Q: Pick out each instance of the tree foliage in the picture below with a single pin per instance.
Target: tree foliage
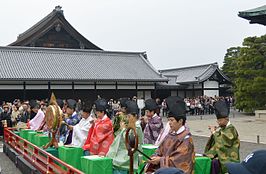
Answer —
(246, 66)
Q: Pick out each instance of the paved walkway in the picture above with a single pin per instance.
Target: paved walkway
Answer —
(247, 126)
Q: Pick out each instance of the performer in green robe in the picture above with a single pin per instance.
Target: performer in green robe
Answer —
(120, 116)
(224, 142)
(118, 151)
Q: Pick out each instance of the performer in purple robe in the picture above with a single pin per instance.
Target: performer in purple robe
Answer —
(155, 125)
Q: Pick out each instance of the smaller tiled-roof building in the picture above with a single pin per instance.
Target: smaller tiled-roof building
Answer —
(192, 81)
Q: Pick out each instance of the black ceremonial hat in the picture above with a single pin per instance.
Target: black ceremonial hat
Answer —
(176, 107)
(71, 103)
(34, 104)
(123, 101)
(150, 105)
(132, 107)
(60, 103)
(100, 104)
(87, 106)
(221, 109)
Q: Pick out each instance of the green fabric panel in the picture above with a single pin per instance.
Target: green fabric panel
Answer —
(40, 140)
(24, 133)
(31, 136)
(149, 150)
(96, 165)
(16, 132)
(52, 151)
(71, 155)
(202, 165)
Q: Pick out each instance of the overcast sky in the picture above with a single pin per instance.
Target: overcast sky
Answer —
(174, 33)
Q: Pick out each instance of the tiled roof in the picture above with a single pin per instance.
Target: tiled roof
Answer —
(48, 22)
(253, 12)
(30, 63)
(255, 16)
(192, 74)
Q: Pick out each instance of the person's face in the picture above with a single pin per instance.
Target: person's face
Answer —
(174, 125)
(85, 114)
(69, 111)
(35, 110)
(25, 107)
(149, 113)
(5, 109)
(222, 122)
(100, 114)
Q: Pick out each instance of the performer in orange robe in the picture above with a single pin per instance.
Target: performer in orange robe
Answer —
(100, 135)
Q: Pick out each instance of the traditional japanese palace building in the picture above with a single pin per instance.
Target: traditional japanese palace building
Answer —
(255, 16)
(195, 81)
(52, 56)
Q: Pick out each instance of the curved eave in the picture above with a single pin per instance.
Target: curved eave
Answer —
(83, 80)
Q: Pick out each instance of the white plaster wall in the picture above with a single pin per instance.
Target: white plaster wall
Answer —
(211, 93)
(211, 84)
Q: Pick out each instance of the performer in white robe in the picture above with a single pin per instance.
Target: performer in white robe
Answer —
(36, 122)
(80, 130)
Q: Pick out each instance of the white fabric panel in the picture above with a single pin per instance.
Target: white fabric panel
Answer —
(105, 86)
(37, 86)
(61, 86)
(84, 87)
(126, 86)
(146, 87)
(11, 87)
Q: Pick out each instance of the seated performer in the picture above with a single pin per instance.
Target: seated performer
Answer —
(36, 122)
(80, 130)
(71, 118)
(118, 151)
(100, 135)
(154, 124)
(177, 149)
(224, 142)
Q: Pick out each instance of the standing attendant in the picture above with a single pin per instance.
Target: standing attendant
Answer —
(154, 125)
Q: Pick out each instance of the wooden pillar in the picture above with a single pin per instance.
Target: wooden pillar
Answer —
(155, 91)
(95, 90)
(49, 89)
(193, 90)
(116, 91)
(202, 88)
(136, 89)
(24, 90)
(73, 90)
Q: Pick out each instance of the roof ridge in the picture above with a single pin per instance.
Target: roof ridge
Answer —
(63, 50)
(195, 66)
(50, 15)
(206, 71)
